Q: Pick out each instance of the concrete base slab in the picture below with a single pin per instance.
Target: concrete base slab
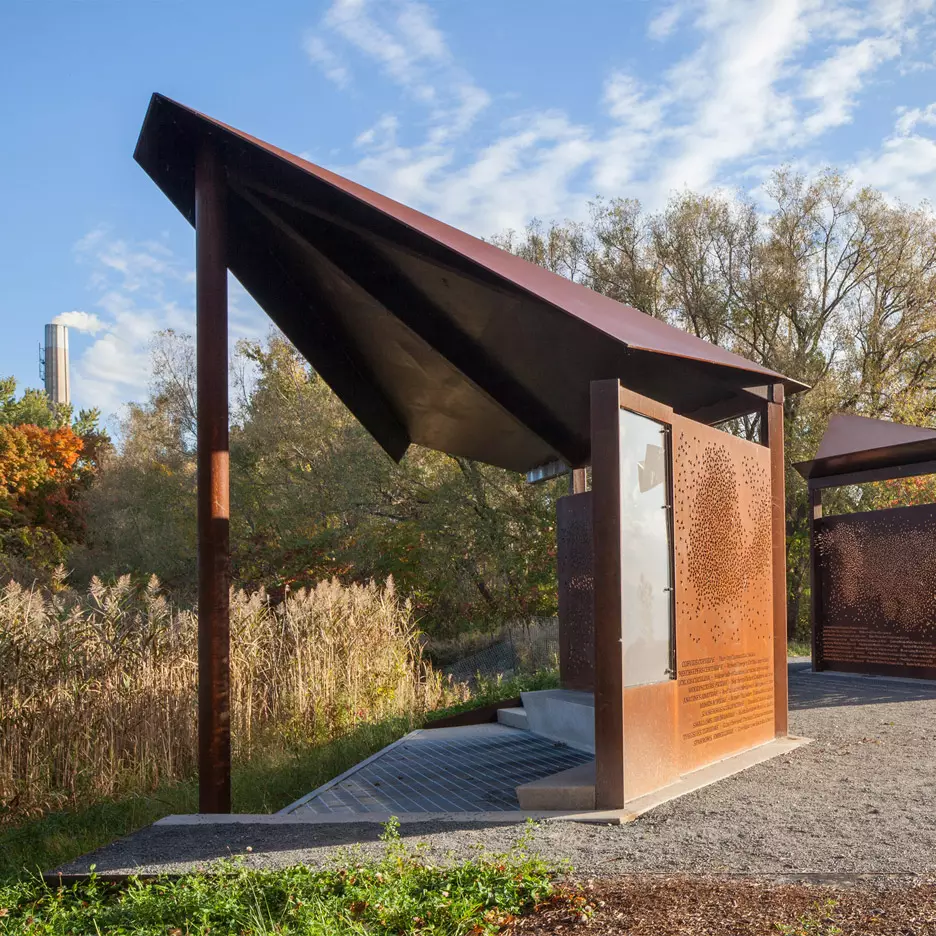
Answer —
(562, 715)
(689, 783)
(497, 817)
(874, 677)
(513, 718)
(569, 789)
(712, 773)
(575, 788)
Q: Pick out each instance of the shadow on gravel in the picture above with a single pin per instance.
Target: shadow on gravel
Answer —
(170, 849)
(809, 690)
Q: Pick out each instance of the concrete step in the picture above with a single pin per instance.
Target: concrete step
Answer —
(572, 789)
(513, 717)
(562, 715)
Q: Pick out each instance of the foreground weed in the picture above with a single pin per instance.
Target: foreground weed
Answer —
(399, 893)
(818, 923)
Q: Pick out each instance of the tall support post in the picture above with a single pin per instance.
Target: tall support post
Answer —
(815, 584)
(214, 719)
(609, 645)
(773, 425)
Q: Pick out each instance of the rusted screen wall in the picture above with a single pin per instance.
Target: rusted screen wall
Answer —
(877, 588)
(575, 562)
(724, 593)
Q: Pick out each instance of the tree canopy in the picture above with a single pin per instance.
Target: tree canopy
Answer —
(827, 283)
(817, 279)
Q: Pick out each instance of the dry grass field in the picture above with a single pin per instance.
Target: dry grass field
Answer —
(98, 690)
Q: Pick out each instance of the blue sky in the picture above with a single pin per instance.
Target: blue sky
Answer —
(484, 113)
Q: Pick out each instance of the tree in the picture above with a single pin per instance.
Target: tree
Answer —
(829, 284)
(313, 496)
(47, 462)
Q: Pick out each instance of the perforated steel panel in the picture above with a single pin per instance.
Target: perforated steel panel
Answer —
(724, 592)
(878, 592)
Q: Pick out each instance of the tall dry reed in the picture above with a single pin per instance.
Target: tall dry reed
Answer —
(98, 690)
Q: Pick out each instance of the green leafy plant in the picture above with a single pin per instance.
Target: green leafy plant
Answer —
(817, 923)
(401, 892)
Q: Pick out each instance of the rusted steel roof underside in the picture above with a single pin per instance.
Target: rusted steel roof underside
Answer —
(427, 334)
(857, 443)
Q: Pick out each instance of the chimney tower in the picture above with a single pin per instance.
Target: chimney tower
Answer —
(56, 364)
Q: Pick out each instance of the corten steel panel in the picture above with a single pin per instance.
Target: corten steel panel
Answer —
(854, 444)
(773, 437)
(877, 597)
(651, 755)
(575, 562)
(606, 535)
(848, 434)
(724, 593)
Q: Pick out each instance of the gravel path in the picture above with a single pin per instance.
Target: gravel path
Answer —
(859, 799)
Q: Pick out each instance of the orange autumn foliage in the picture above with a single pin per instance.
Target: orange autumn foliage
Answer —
(905, 492)
(38, 472)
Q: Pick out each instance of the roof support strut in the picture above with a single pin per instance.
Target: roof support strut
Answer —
(214, 712)
(367, 266)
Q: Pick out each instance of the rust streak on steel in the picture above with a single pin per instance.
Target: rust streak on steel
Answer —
(214, 721)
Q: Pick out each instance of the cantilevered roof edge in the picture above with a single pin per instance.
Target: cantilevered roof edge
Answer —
(625, 324)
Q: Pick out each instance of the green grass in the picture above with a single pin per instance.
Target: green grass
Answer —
(399, 893)
(488, 691)
(265, 784)
(799, 648)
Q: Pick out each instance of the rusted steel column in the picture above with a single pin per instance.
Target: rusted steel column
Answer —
(214, 721)
(609, 647)
(815, 583)
(774, 439)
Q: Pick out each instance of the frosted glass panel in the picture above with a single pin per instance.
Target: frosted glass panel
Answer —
(646, 578)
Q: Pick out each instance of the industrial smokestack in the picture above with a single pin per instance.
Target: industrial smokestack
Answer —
(56, 364)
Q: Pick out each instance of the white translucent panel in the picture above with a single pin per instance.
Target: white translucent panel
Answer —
(646, 556)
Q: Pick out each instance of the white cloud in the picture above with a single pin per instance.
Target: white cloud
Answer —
(400, 47)
(836, 82)
(904, 166)
(138, 289)
(401, 39)
(762, 82)
(663, 24)
(333, 68)
(381, 135)
(81, 321)
(910, 117)
(630, 104)
(417, 27)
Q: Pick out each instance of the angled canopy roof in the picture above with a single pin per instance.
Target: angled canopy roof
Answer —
(427, 334)
(857, 443)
